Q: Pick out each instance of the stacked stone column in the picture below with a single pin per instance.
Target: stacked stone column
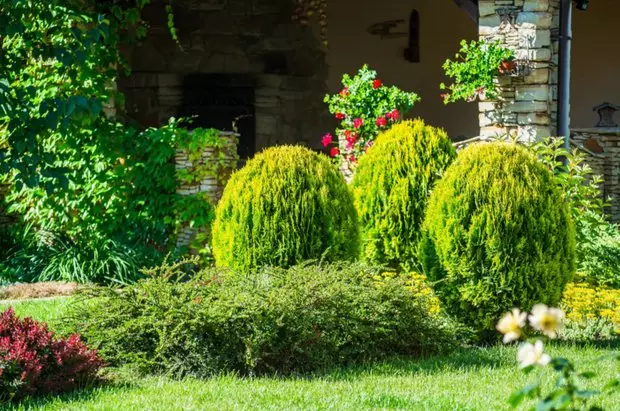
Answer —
(602, 148)
(212, 185)
(527, 106)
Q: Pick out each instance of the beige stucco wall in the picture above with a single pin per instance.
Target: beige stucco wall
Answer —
(596, 60)
(443, 25)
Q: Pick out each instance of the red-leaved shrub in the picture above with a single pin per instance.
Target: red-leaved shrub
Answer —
(33, 362)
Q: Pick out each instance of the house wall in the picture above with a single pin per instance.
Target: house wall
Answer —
(442, 26)
(596, 60)
(255, 39)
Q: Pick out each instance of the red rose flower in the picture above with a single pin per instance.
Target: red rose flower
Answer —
(340, 116)
(327, 139)
(381, 122)
(344, 92)
(334, 152)
(352, 158)
(376, 84)
(357, 123)
(394, 115)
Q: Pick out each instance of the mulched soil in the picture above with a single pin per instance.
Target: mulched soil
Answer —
(37, 290)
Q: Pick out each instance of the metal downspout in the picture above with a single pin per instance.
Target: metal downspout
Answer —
(564, 61)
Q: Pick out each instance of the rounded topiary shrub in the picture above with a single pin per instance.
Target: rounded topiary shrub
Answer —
(497, 235)
(391, 189)
(287, 205)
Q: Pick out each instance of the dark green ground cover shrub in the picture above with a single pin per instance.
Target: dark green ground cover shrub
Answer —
(287, 205)
(498, 235)
(266, 322)
(391, 187)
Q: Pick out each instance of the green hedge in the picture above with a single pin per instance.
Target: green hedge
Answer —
(272, 321)
(497, 235)
(391, 188)
(287, 205)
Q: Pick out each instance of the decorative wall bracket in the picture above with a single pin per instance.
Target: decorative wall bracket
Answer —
(521, 68)
(508, 15)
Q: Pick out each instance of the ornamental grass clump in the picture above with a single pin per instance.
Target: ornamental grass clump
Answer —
(286, 206)
(391, 188)
(497, 235)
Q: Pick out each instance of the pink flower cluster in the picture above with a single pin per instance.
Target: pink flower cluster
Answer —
(34, 362)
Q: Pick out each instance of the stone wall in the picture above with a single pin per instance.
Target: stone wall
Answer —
(254, 38)
(528, 102)
(602, 146)
(213, 185)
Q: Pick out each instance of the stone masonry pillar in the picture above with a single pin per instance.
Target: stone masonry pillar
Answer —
(527, 106)
(225, 158)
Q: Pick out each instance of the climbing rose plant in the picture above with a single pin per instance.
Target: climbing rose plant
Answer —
(365, 107)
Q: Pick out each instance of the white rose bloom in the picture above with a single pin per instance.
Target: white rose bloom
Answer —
(547, 320)
(511, 324)
(533, 355)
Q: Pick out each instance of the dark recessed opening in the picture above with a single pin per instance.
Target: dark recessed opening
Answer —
(218, 101)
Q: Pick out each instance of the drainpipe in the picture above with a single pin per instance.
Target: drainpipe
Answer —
(566, 35)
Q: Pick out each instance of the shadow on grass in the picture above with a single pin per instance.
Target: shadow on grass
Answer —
(460, 359)
(463, 359)
(87, 394)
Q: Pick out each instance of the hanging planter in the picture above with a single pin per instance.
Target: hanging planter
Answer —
(508, 67)
(474, 71)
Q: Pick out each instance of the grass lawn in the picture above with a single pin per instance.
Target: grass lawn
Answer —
(469, 379)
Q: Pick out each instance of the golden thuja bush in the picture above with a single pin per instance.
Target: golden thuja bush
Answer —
(497, 235)
(583, 302)
(287, 205)
(392, 185)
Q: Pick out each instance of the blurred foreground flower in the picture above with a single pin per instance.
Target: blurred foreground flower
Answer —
(511, 325)
(533, 354)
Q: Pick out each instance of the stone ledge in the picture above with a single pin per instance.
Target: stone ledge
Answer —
(612, 131)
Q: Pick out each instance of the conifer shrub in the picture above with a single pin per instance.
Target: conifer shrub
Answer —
(270, 321)
(391, 188)
(286, 206)
(497, 235)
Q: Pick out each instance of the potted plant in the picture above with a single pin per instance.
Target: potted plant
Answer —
(474, 71)
(508, 66)
(364, 108)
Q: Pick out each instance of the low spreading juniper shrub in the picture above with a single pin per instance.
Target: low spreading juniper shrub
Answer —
(273, 321)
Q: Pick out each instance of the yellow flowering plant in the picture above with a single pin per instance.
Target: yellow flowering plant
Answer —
(566, 394)
(419, 287)
(583, 302)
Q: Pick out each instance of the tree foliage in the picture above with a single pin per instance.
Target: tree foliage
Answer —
(58, 63)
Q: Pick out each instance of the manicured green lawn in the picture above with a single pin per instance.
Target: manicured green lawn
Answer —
(469, 379)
